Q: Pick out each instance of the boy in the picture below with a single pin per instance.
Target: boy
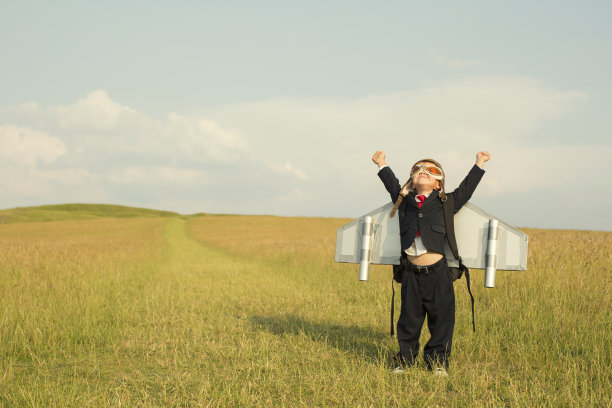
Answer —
(427, 287)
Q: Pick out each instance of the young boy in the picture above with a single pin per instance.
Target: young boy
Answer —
(427, 287)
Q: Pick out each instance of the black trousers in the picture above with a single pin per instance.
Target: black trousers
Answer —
(428, 294)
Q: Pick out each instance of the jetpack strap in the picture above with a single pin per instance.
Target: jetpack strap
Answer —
(449, 220)
(392, 305)
(448, 206)
(466, 271)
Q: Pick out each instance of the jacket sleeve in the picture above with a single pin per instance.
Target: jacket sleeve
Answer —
(391, 182)
(466, 188)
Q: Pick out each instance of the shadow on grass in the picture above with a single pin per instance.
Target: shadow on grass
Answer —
(363, 342)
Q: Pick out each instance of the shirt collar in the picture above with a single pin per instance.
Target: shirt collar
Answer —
(416, 195)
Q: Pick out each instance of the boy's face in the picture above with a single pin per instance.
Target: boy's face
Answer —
(424, 180)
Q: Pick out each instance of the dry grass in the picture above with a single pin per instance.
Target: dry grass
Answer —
(252, 311)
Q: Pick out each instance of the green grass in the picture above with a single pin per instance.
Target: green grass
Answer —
(61, 212)
(252, 311)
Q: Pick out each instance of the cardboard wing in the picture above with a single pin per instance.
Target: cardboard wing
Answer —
(483, 240)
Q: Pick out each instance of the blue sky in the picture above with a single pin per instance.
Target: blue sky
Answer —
(276, 107)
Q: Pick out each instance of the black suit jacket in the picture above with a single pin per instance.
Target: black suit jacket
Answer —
(429, 219)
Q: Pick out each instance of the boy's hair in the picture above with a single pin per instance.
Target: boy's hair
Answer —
(407, 187)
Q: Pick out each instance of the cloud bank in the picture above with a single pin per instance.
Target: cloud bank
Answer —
(97, 149)
(291, 156)
(519, 120)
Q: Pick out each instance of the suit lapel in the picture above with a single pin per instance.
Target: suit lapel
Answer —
(411, 197)
(431, 198)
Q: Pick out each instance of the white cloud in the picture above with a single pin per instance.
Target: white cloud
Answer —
(203, 138)
(22, 153)
(96, 124)
(26, 146)
(96, 110)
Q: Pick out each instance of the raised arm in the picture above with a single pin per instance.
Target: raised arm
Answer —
(387, 176)
(465, 190)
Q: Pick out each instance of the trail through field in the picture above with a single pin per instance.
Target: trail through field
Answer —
(198, 269)
(199, 283)
(222, 285)
(187, 255)
(225, 288)
(252, 311)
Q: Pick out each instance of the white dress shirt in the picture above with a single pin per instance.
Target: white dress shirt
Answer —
(417, 248)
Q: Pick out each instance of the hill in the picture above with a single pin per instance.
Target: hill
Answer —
(61, 212)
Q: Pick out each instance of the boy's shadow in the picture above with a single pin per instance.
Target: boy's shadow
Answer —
(361, 341)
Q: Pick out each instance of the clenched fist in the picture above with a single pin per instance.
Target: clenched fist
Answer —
(481, 158)
(379, 158)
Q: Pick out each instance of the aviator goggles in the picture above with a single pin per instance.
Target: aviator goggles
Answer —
(433, 171)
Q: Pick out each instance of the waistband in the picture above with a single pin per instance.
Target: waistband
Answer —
(422, 269)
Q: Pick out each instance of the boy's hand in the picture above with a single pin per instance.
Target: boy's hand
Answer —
(481, 158)
(379, 158)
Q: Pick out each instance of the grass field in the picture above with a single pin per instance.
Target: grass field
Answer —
(112, 306)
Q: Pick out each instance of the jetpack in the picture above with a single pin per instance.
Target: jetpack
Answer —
(484, 242)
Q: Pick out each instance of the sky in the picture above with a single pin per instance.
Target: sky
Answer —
(276, 107)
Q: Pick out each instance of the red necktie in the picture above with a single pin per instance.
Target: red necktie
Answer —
(421, 200)
(420, 204)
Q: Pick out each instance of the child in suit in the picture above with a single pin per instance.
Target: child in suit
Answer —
(427, 287)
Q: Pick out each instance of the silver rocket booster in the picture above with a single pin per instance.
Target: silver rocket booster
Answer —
(366, 249)
(491, 255)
